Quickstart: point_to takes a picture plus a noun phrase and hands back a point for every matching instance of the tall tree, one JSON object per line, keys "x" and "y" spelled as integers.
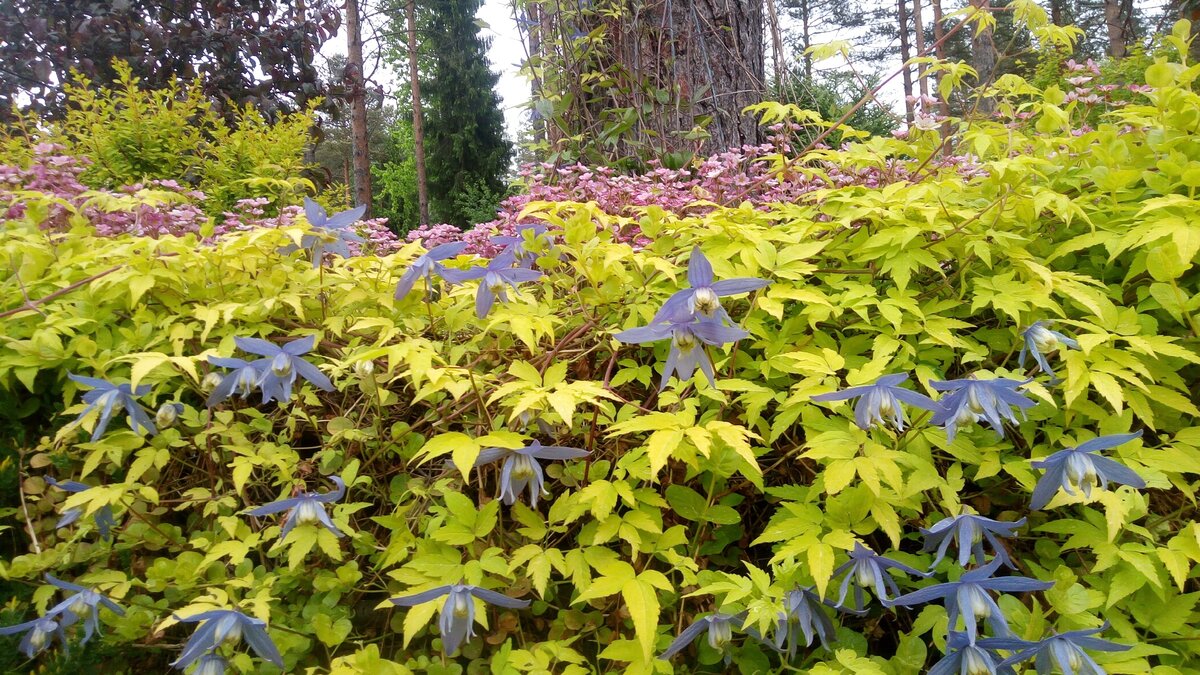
{"x": 631, "y": 78}
{"x": 252, "y": 51}
{"x": 418, "y": 114}
{"x": 356, "y": 93}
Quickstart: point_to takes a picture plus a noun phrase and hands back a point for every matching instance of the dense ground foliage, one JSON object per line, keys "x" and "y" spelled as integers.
{"x": 359, "y": 473}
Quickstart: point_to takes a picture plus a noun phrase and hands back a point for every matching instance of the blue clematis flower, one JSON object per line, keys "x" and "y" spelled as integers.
{"x": 426, "y": 266}
{"x": 1065, "y": 652}
{"x": 879, "y": 402}
{"x": 969, "y": 531}
{"x": 211, "y": 664}
{"x": 719, "y": 628}
{"x": 966, "y": 658}
{"x": 1079, "y": 468}
{"x": 521, "y": 469}
{"x": 687, "y": 335}
{"x": 703, "y": 298}
{"x": 802, "y": 615}
{"x": 498, "y": 273}
{"x": 329, "y": 233}
{"x": 524, "y": 256}
{"x": 226, "y": 625}
{"x": 1039, "y": 341}
{"x": 105, "y": 396}
{"x": 39, "y": 633}
{"x": 457, "y": 620}
{"x": 104, "y": 515}
{"x": 308, "y": 507}
{"x": 969, "y": 597}
{"x": 971, "y": 400}
{"x": 242, "y": 379}
{"x": 83, "y": 605}
{"x": 866, "y": 568}
{"x": 278, "y": 371}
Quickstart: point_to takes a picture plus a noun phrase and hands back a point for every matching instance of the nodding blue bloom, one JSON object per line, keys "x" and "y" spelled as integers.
{"x": 498, "y": 273}
{"x": 969, "y": 531}
{"x": 969, "y": 597}
{"x": 1065, "y": 652}
{"x": 104, "y": 396}
{"x": 83, "y": 605}
{"x": 278, "y": 371}
{"x": 457, "y": 621}
{"x": 802, "y": 614}
{"x": 226, "y": 625}
{"x": 308, "y": 507}
{"x": 242, "y": 379}
{"x": 879, "y": 402}
{"x": 972, "y": 400}
{"x": 425, "y": 266}
{"x": 1039, "y": 341}
{"x": 703, "y": 298}
{"x": 105, "y": 520}
{"x": 1079, "y": 468}
{"x": 718, "y": 626}
{"x": 966, "y": 658}
{"x": 866, "y": 568}
{"x": 519, "y": 244}
{"x": 211, "y": 664}
{"x": 687, "y": 336}
{"x": 324, "y": 228}
{"x": 38, "y": 635}
{"x": 521, "y": 469}
{"x": 167, "y": 414}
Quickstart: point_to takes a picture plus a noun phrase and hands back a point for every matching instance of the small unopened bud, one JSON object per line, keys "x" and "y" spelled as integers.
{"x": 1043, "y": 339}
{"x": 210, "y": 382}
{"x": 166, "y": 415}
{"x": 364, "y": 369}
{"x": 719, "y": 634}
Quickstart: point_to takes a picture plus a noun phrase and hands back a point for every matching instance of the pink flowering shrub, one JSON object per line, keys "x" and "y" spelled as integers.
{"x": 156, "y": 208}
{"x": 721, "y": 180}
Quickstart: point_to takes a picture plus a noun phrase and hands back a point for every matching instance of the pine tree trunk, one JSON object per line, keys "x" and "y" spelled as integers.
{"x": 418, "y": 117}
{"x": 1114, "y": 19}
{"x": 983, "y": 60}
{"x": 919, "y": 31}
{"x": 905, "y": 55}
{"x": 358, "y": 107}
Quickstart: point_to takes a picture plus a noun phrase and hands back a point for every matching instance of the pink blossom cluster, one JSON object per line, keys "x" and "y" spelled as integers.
{"x": 177, "y": 214}
{"x": 720, "y": 180}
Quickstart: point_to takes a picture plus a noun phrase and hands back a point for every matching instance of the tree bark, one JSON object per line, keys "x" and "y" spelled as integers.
{"x": 905, "y": 55}
{"x": 358, "y": 107}
{"x": 418, "y": 117}
{"x": 983, "y": 59}
{"x": 919, "y": 31}
{"x": 939, "y": 35}
{"x": 1115, "y": 20}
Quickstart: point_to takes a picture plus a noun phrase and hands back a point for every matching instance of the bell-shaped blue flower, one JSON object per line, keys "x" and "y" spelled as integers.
{"x": 969, "y": 531}
{"x": 703, "y": 298}
{"x": 521, "y": 470}
{"x": 868, "y": 569}
{"x": 969, "y": 597}
{"x": 498, "y": 273}
{"x": 242, "y": 379}
{"x": 688, "y": 336}
{"x": 220, "y": 626}
{"x": 105, "y": 520}
{"x": 426, "y": 266}
{"x": 1080, "y": 468}
{"x": 1065, "y": 653}
{"x": 802, "y": 616}
{"x": 39, "y": 633}
{"x": 105, "y": 396}
{"x": 211, "y": 664}
{"x": 83, "y": 604}
{"x": 308, "y": 507}
{"x": 519, "y": 244}
{"x": 329, "y": 233}
{"x": 457, "y": 620}
{"x": 966, "y": 658}
{"x": 971, "y": 400}
{"x": 278, "y": 371}
{"x": 1040, "y": 341}
{"x": 879, "y": 402}
{"x": 718, "y": 627}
